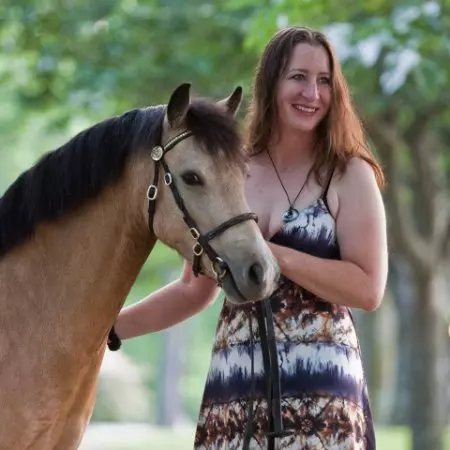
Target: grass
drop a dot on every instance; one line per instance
(170, 439)
(387, 439)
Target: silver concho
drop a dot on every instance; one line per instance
(157, 153)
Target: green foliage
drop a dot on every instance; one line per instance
(118, 54)
(410, 27)
(65, 61)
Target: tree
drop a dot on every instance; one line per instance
(65, 65)
(110, 55)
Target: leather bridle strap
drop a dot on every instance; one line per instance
(271, 368)
(201, 243)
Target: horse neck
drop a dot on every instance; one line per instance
(75, 274)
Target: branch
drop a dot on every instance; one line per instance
(418, 137)
(441, 229)
(432, 185)
(406, 235)
(444, 250)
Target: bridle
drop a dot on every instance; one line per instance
(201, 241)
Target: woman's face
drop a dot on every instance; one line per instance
(304, 90)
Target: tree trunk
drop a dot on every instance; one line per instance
(446, 383)
(401, 282)
(172, 369)
(426, 395)
(366, 326)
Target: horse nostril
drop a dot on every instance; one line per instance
(256, 274)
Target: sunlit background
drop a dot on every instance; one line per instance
(65, 64)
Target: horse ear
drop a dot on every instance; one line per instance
(232, 103)
(178, 105)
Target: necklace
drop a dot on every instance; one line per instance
(291, 213)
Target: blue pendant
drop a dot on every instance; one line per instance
(290, 215)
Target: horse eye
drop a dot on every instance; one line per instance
(192, 179)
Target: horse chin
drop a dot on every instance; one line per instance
(232, 291)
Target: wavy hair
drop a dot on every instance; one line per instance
(340, 135)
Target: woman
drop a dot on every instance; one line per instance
(287, 373)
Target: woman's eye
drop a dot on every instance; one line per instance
(298, 76)
(192, 179)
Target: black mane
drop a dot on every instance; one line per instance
(65, 178)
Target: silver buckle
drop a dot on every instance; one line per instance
(197, 249)
(152, 192)
(194, 233)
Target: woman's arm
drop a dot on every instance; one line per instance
(359, 279)
(167, 306)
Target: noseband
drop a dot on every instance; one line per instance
(201, 241)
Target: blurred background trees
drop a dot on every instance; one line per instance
(66, 64)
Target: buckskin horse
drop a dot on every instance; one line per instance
(75, 230)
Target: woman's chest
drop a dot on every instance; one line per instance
(270, 199)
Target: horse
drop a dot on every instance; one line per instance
(77, 227)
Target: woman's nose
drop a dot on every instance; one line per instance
(311, 91)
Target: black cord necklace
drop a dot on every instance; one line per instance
(291, 213)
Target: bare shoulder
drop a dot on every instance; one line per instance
(358, 183)
(358, 173)
(358, 191)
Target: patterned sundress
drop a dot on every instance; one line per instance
(323, 391)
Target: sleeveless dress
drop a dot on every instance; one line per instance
(322, 387)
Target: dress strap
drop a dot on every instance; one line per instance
(327, 186)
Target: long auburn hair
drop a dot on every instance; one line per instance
(340, 135)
